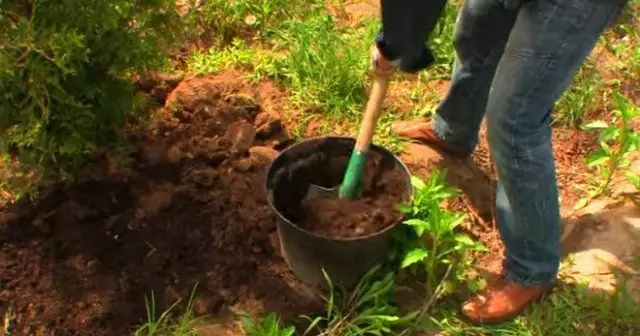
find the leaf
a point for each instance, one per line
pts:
(474, 285)
(417, 183)
(633, 178)
(457, 220)
(598, 124)
(404, 207)
(414, 256)
(581, 203)
(464, 240)
(419, 225)
(597, 158)
(289, 331)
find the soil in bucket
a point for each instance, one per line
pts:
(382, 189)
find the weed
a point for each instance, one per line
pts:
(581, 97)
(441, 43)
(367, 310)
(269, 326)
(625, 49)
(424, 95)
(241, 19)
(165, 324)
(430, 240)
(571, 310)
(325, 65)
(616, 140)
(237, 55)
(633, 178)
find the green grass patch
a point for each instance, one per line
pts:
(571, 310)
(441, 42)
(325, 66)
(581, 97)
(167, 323)
(223, 21)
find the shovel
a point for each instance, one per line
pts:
(350, 186)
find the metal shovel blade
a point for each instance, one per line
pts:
(317, 192)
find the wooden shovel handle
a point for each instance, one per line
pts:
(374, 106)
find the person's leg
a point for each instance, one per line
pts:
(482, 29)
(549, 41)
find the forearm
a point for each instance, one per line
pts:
(406, 24)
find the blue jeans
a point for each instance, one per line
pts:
(514, 59)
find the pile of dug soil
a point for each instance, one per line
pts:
(375, 210)
(191, 210)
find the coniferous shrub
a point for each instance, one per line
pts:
(65, 68)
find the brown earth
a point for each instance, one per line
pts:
(190, 210)
(382, 190)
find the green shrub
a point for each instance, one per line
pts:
(64, 70)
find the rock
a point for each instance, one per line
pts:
(602, 243)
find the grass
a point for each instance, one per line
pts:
(167, 324)
(372, 309)
(323, 64)
(581, 98)
(570, 310)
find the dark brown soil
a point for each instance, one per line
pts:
(191, 210)
(382, 190)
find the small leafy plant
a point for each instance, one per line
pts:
(430, 240)
(616, 140)
(269, 326)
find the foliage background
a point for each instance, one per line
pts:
(64, 69)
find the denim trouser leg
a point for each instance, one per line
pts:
(548, 42)
(481, 32)
(514, 60)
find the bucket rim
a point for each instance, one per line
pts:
(386, 230)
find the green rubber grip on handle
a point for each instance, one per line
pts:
(350, 187)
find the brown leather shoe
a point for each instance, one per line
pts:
(422, 131)
(501, 300)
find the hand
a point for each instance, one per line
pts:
(379, 64)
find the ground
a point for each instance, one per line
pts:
(192, 211)
(189, 212)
